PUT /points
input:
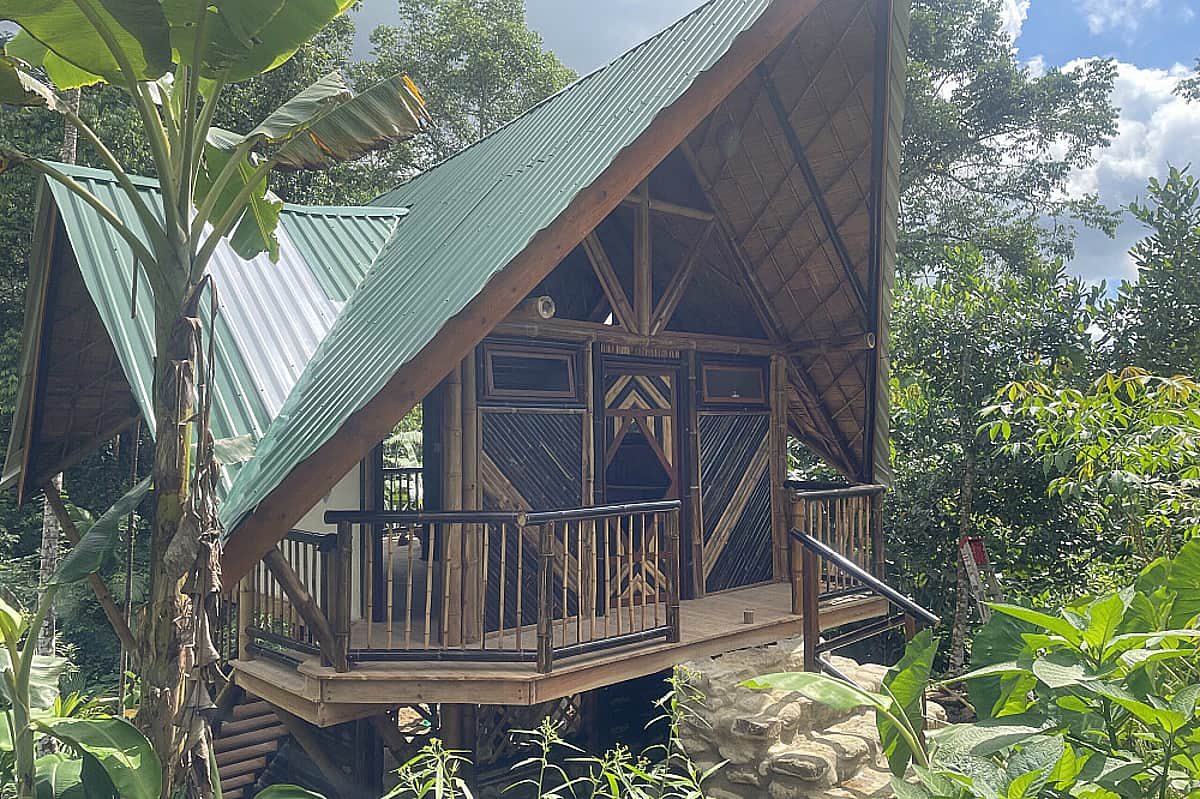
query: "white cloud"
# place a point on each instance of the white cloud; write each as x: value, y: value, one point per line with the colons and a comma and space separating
x: 1013, y: 14
x: 1155, y: 127
x: 1114, y: 15
x: 1036, y: 65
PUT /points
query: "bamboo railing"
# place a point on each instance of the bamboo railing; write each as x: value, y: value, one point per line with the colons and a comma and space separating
x: 499, y: 586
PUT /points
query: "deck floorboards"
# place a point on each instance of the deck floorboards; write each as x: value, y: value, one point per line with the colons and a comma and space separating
x: 709, y: 626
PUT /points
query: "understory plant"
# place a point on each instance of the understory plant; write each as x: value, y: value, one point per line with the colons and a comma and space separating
x: 1097, y: 700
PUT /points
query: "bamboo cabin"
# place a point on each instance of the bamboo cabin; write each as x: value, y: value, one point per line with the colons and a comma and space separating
x: 615, y: 313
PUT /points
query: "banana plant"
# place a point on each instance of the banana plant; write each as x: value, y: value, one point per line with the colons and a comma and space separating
x: 174, y: 58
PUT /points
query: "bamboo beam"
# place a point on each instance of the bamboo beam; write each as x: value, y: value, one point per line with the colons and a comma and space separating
x: 777, y: 467
x: 303, y: 602
x: 583, y: 331
x: 814, y: 188
x: 679, y: 282
x: 473, y: 598
x: 692, y: 464
x: 668, y: 208
x: 857, y: 342
x: 82, y: 451
x: 452, y: 498
x: 283, y: 505
x: 643, y: 266
x: 603, y: 268
x: 305, y: 735
x: 108, y: 605
x: 759, y: 299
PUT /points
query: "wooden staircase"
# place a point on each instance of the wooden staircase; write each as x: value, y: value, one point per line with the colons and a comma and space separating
x: 245, y: 745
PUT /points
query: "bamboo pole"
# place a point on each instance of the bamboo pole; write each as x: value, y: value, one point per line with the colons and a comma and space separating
x: 303, y: 603
x: 778, y: 468
x: 693, y: 467
x: 452, y: 494
x: 473, y: 600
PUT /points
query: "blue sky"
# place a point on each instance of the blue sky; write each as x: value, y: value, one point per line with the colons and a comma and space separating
x: 1154, y: 42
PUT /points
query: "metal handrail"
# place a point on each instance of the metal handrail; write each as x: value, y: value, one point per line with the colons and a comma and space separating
x: 867, y: 579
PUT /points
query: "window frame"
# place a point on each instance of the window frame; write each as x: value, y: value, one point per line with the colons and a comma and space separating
x: 759, y: 369
x: 563, y: 353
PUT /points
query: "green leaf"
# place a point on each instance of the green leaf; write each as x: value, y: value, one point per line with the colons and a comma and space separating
x: 1054, y: 624
x: 1029, y: 769
x: 981, y: 739
x: 352, y: 126
x: 138, y: 28
x: 1058, y: 675
x: 98, y: 542
x: 906, y: 681
x: 44, y: 673
x: 287, y: 792
x: 819, y: 688
x: 117, y: 746
x: 295, y: 115
x: 18, y: 87
x: 12, y: 622
x: 237, y: 449
x: 62, y: 74
x: 259, y: 215
x: 1103, y: 617
x: 58, y: 776
x: 1184, y: 582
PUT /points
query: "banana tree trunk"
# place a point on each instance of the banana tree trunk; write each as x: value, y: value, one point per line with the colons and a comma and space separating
x: 176, y: 651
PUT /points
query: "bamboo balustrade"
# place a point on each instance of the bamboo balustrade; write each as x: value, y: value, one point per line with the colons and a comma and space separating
x: 846, y: 519
x: 269, y: 618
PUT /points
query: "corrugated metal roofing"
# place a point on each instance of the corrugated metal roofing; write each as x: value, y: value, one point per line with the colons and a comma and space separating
x: 469, y: 217
x: 271, y: 316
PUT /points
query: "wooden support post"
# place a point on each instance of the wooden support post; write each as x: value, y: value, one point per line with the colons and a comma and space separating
x: 878, y: 561
x: 810, y: 607
x: 673, y: 576
x: 777, y: 468
x: 304, y: 603
x: 306, y: 735
x: 545, y: 583
x: 474, y: 602
x: 452, y: 494
x: 107, y: 604
x: 245, y: 617
x: 341, y: 585
x: 643, y: 284
x: 695, y: 494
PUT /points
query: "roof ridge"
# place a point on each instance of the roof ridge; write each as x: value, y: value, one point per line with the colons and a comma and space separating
x: 545, y: 100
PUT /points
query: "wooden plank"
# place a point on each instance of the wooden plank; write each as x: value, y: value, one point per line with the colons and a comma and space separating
x: 643, y: 264
x: 679, y: 282
x: 286, y: 503
x: 602, y: 266
x: 668, y: 208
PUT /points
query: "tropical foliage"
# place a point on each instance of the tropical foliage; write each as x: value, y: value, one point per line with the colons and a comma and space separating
x: 1098, y: 699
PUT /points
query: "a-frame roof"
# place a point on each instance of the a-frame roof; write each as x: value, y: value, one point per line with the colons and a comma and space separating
x: 789, y: 112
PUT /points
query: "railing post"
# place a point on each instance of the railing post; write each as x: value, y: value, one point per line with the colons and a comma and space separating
x: 245, y: 615
x: 341, y: 584
x: 810, y: 607
x: 545, y: 631
x: 796, y: 553
x: 877, y: 553
x: 673, y: 576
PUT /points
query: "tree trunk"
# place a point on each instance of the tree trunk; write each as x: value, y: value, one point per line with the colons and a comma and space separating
x: 962, y: 593
x: 176, y: 650
x: 47, y: 563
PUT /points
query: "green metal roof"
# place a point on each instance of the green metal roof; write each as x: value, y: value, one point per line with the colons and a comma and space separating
x: 468, y: 217
x: 270, y: 318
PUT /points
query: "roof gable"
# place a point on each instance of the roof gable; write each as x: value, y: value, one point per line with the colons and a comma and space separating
x: 471, y: 215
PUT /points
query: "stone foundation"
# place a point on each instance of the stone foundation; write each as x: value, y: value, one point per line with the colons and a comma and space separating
x: 779, y: 744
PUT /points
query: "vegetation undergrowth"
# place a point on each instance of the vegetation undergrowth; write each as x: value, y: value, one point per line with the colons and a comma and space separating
x: 1100, y: 699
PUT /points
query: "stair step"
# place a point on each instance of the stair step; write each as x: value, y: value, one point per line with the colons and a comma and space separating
x: 242, y: 767
x: 248, y: 724
x: 255, y: 707
x: 274, y: 732
x: 238, y: 782
x: 246, y: 753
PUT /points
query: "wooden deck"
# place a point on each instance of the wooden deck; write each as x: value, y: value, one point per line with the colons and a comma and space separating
x: 710, y: 626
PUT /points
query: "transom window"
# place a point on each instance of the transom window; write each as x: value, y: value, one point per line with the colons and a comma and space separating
x: 730, y: 384
x: 519, y: 373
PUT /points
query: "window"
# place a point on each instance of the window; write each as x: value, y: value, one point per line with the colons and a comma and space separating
x: 538, y: 374
x: 725, y: 384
